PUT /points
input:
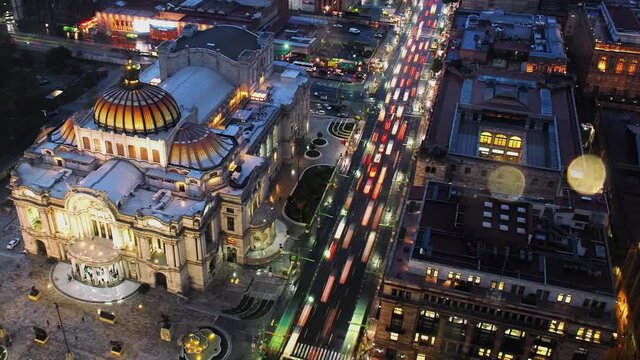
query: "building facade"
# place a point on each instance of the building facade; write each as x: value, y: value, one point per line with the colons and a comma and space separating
x: 605, y: 41
x: 524, y: 6
x: 478, y: 278
x: 169, y: 172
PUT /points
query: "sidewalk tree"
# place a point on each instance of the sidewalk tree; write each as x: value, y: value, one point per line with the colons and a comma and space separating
x: 57, y: 57
x: 436, y: 66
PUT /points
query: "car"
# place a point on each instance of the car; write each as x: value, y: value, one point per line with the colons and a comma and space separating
x: 319, y: 106
x: 374, y: 138
x: 13, y: 243
x: 327, y: 106
x: 337, y: 25
x: 367, y: 186
x: 321, y: 112
x: 354, y: 31
x: 381, y: 148
x: 373, y: 171
x: 316, y: 94
x: 377, y: 158
x: 379, y: 35
x: 342, y: 115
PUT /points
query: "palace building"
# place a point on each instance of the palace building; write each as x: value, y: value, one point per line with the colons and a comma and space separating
x: 169, y: 172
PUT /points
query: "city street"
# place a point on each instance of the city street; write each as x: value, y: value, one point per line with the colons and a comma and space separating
x: 324, y: 319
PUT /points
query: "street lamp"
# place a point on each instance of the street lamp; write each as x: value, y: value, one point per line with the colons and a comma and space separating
x: 69, y: 355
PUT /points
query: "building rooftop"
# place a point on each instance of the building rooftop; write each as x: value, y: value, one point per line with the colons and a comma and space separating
x: 519, y: 95
x: 615, y: 23
x: 537, y: 36
x: 543, y: 243
x: 230, y: 40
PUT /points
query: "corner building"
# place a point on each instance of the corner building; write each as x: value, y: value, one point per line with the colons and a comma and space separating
x: 169, y: 172
x: 473, y: 277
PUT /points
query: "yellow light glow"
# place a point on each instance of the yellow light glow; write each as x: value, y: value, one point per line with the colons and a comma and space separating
x: 586, y: 174
x: 506, y: 183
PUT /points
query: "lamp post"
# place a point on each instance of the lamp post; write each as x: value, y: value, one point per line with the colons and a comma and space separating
x: 69, y: 355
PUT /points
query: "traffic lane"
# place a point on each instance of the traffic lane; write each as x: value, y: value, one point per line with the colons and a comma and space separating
x: 317, y: 316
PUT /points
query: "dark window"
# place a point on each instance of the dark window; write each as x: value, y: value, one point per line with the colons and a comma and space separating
x: 231, y: 223
x: 467, y: 170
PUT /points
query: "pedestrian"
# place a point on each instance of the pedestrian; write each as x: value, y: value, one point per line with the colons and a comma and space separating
x: 83, y: 319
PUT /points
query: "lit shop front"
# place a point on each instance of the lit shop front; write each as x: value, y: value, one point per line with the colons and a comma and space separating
x: 156, y: 25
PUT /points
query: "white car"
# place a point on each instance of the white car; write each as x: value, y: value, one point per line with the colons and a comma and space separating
x: 327, y: 106
x: 13, y: 243
x: 354, y: 31
x: 337, y: 25
x: 321, y: 112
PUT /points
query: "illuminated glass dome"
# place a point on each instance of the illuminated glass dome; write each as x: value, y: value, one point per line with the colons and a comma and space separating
x: 197, y: 147
x: 134, y: 107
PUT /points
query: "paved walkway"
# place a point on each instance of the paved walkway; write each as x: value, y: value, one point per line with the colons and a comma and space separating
x: 77, y: 290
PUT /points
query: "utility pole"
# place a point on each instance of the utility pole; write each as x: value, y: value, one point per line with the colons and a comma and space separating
x: 69, y: 355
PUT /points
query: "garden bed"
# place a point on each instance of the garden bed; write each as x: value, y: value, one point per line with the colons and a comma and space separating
x: 302, y: 204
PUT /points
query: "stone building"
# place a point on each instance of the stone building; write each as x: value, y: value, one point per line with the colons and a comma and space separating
x: 605, y: 42
x: 497, y: 130
x: 474, y: 277
x: 169, y: 172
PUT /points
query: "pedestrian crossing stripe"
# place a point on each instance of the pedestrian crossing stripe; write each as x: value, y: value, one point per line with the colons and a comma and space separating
x: 309, y: 352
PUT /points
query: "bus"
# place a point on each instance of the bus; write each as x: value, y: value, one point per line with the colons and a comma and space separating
x: 306, y: 65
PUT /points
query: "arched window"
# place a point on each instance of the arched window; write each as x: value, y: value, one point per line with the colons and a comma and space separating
x: 86, y: 144
x: 120, y: 149
x: 96, y: 145
x: 515, y: 142
x: 132, y: 151
x: 620, y: 66
x: 144, y: 155
x: 109, y: 147
x: 602, y: 63
x: 156, y: 156
x: 500, y: 140
x: 485, y: 137
x: 633, y: 67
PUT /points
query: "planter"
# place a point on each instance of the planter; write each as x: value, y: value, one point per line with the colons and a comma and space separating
x: 312, y: 154
x: 320, y: 142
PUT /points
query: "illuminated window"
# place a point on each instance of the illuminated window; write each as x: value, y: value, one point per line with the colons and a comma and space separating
x: 429, y: 314
x: 108, y: 147
x: 474, y: 279
x: 457, y: 320
x: 96, y: 145
x: 515, y: 142
x: 515, y: 333
x: 398, y: 310
x: 486, y: 326
x: 531, y: 67
x: 497, y: 285
x: 433, y: 272
x: 132, y: 151
x: 144, y: 154
x: 602, y: 64
x: 424, y: 340
x: 500, y: 140
x: 505, y: 356
x: 485, y: 137
x: 542, y: 350
x: 620, y: 66
x: 86, y: 144
x: 588, y: 335
x: 156, y: 156
x: 393, y: 336
x: 120, y: 149
x: 633, y: 67
x: 421, y: 356
x: 564, y: 297
x: 483, y: 352
x: 596, y: 336
x: 556, y: 327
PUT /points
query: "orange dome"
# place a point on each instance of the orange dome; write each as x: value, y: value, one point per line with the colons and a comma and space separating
x: 134, y: 107
x: 197, y: 147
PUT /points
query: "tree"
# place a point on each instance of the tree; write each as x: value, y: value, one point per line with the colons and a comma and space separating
x: 436, y: 66
x: 57, y: 57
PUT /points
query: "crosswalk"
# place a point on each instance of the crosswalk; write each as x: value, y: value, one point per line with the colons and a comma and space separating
x: 308, y: 352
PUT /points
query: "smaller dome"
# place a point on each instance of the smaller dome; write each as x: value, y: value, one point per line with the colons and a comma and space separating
x: 197, y: 147
x: 65, y: 134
